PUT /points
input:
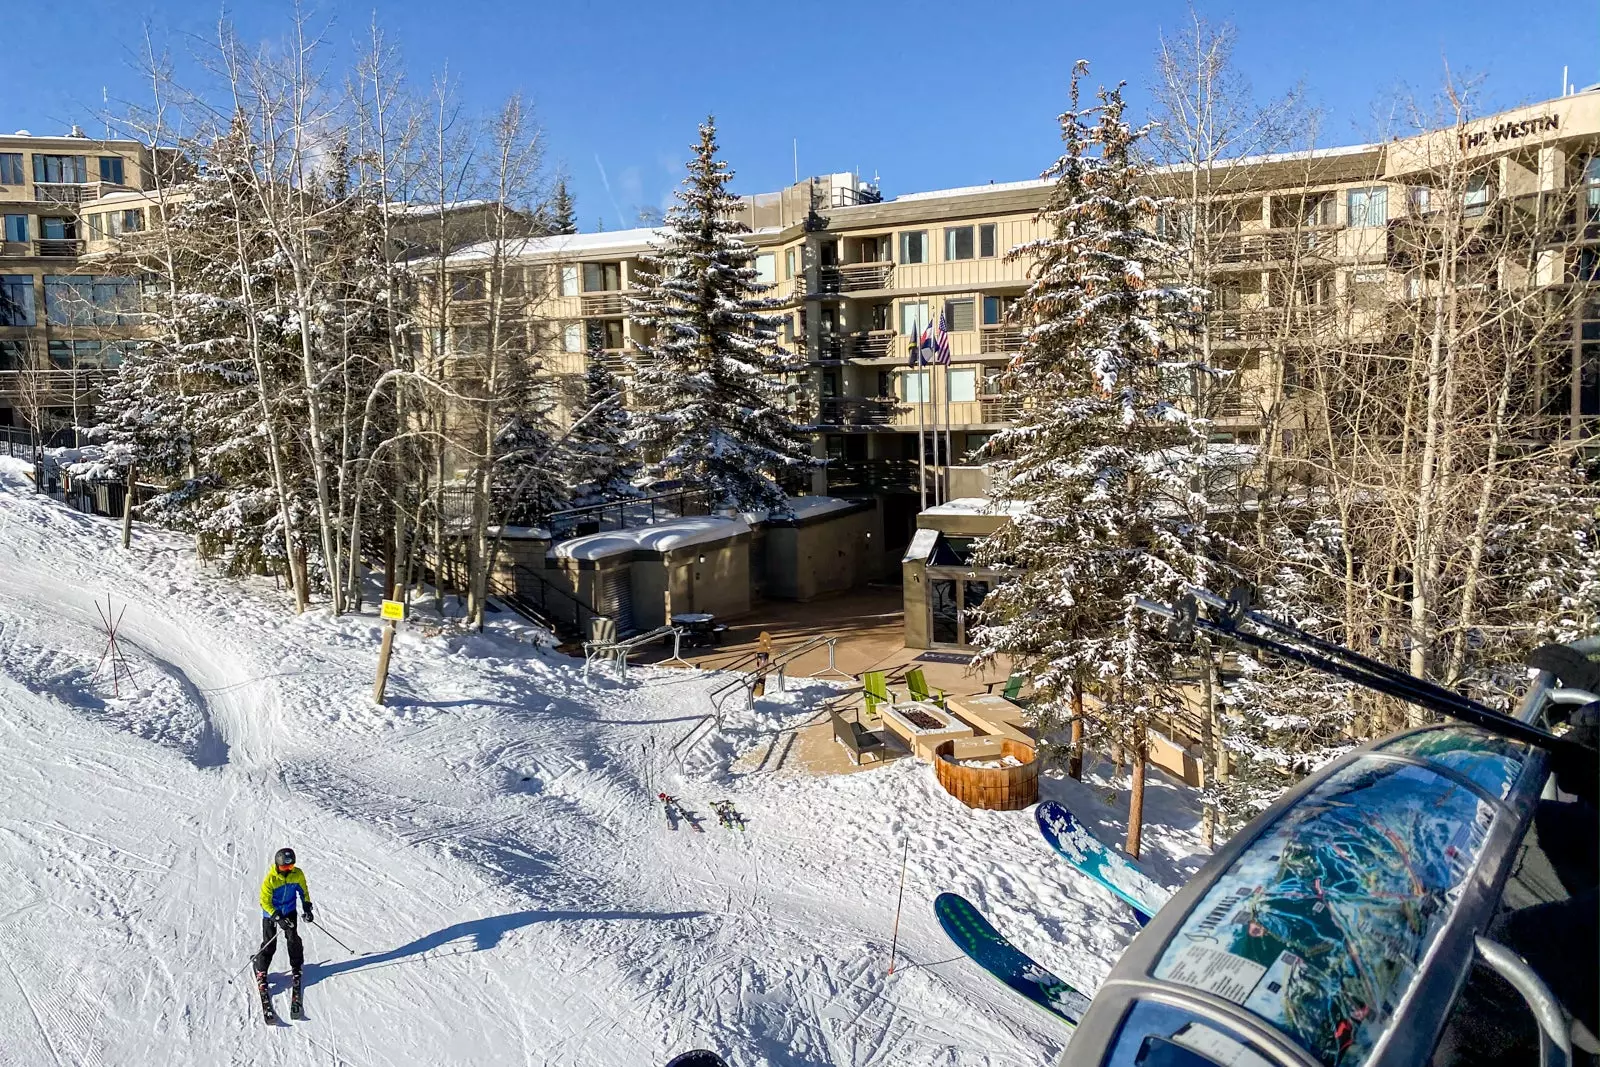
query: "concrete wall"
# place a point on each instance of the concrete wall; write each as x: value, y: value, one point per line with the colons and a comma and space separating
x: 914, y: 583
x: 828, y: 553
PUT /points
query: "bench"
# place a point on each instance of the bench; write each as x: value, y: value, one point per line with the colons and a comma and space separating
x: 853, y: 737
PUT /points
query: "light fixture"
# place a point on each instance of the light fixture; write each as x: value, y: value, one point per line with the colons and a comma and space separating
x: 702, y: 559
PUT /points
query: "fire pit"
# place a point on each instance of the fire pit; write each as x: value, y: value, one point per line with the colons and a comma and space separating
x: 923, y: 726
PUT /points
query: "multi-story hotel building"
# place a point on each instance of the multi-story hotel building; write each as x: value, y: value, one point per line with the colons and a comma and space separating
x: 1316, y: 240
x: 63, y: 325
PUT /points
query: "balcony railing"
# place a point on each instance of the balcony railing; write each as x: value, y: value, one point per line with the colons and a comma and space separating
x: 873, y: 344
x: 866, y: 475
x: 855, y: 277
x: 65, y: 192
x: 1254, y: 324
x: 858, y: 411
x: 608, y: 303
x: 54, y: 382
x: 1000, y: 408
x: 1321, y: 242
x: 57, y: 248
x: 992, y: 339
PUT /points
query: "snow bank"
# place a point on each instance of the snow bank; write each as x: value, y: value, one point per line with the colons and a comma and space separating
x: 662, y: 537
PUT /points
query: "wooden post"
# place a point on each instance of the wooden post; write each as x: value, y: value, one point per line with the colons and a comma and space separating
x: 1075, y: 749
x: 1136, y: 795
x: 127, y: 509
x: 383, y: 663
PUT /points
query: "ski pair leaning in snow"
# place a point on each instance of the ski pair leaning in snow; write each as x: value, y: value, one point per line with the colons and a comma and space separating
x: 282, y: 888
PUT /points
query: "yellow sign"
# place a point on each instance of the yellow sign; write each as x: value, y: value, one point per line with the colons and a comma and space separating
x: 393, y: 609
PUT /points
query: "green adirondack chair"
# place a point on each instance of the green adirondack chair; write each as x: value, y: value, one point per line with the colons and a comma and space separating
x: 917, y: 685
x: 875, y: 691
x: 1013, y: 689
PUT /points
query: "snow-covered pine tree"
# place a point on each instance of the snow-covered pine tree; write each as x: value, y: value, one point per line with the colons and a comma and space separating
x: 712, y: 405
x: 600, y: 461
x: 1099, y: 469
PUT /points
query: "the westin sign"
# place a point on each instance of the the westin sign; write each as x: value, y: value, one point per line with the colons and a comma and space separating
x: 1511, y: 131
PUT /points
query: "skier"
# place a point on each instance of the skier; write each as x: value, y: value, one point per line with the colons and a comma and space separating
x: 284, y: 881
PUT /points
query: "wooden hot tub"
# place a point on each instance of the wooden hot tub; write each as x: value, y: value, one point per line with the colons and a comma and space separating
x: 1002, y: 788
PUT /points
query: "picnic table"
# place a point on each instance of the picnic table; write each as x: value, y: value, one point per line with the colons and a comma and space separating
x: 700, y: 628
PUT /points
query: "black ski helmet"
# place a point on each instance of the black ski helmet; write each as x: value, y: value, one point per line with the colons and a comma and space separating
x: 284, y: 857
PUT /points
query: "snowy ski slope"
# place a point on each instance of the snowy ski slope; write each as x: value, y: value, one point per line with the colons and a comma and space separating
x: 489, y: 844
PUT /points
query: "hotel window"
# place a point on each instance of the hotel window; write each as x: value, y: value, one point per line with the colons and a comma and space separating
x: 995, y: 309
x: 16, y: 300
x: 914, y: 386
x: 14, y: 355
x: 17, y: 229
x: 788, y: 263
x: 1419, y: 200
x: 538, y: 278
x: 111, y: 169
x: 572, y: 337
x: 466, y: 285
x: 958, y: 315
x: 986, y: 240
x: 60, y: 169
x: 963, y: 385
x: 913, y: 317
x: 569, y: 285
x: 511, y: 285
x: 958, y: 242
x: 65, y: 355
x: 57, y: 229
x: 914, y: 246
x: 10, y: 168
x: 602, y: 277
x: 1368, y: 207
x: 767, y: 268
x: 1476, y: 199
x: 605, y: 333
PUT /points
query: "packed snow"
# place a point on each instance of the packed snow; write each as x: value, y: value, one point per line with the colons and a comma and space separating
x: 662, y: 537
x: 488, y: 844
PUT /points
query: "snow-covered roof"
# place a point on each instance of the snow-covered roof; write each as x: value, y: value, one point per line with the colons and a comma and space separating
x: 433, y: 209
x: 662, y: 537
x: 975, y: 505
x: 968, y: 190
x: 803, y: 507
x: 573, y: 245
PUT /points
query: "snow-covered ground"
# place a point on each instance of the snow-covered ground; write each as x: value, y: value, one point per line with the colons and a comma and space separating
x: 488, y: 844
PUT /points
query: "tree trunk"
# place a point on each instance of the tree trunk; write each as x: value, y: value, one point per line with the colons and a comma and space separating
x: 127, y: 507
x: 1075, y: 747
x: 1136, y: 794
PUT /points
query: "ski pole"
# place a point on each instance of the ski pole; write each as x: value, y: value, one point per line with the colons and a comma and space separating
x: 894, y: 942
x: 259, y: 950
x: 336, y: 941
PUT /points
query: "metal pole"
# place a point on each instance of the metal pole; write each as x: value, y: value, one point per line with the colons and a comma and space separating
x: 949, y: 454
x: 922, y: 420
x: 894, y: 941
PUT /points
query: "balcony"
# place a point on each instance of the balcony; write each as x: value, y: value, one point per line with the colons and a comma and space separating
x: 594, y: 305
x: 868, y: 475
x: 65, y: 192
x: 57, y: 248
x: 1000, y: 339
x: 1000, y: 408
x: 55, y: 383
x: 830, y: 349
x: 1262, y: 324
x: 855, y: 277
x: 1275, y: 246
x: 874, y: 344
x: 858, y: 411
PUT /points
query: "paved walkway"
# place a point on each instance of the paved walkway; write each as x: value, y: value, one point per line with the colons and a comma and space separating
x: 870, y: 626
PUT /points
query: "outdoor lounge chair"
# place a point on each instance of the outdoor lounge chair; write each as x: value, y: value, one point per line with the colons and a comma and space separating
x: 917, y: 685
x: 1013, y: 690
x: 859, y: 742
x: 874, y: 691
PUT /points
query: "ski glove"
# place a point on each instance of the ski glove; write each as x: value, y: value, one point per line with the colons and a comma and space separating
x: 310, y: 918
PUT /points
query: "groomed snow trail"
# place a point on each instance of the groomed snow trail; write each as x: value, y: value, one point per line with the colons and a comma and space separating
x: 489, y: 844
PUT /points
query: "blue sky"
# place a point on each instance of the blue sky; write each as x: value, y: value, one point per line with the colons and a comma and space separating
x: 924, y: 95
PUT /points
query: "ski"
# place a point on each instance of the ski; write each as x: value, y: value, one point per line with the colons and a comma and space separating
x: 297, y: 1006
x: 269, y: 1014
x: 1088, y: 854
x: 669, y: 805
x: 989, y: 949
x: 728, y: 815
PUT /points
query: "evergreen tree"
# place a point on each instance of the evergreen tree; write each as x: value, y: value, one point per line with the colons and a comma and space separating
x: 601, y: 463
x: 1099, y: 472
x: 563, y: 211
x: 712, y: 406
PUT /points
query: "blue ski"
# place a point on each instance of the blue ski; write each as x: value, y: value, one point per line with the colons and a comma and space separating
x: 1111, y: 869
x: 974, y: 935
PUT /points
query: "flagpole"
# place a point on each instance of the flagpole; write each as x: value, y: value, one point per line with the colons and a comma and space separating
x: 940, y: 490
x: 922, y: 418
x: 949, y: 454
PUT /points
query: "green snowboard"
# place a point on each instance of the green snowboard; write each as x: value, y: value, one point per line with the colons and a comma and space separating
x: 973, y: 935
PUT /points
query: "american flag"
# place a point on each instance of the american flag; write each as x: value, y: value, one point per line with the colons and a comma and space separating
x: 941, y: 341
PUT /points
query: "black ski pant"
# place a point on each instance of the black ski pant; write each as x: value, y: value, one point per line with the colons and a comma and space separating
x: 269, y: 943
